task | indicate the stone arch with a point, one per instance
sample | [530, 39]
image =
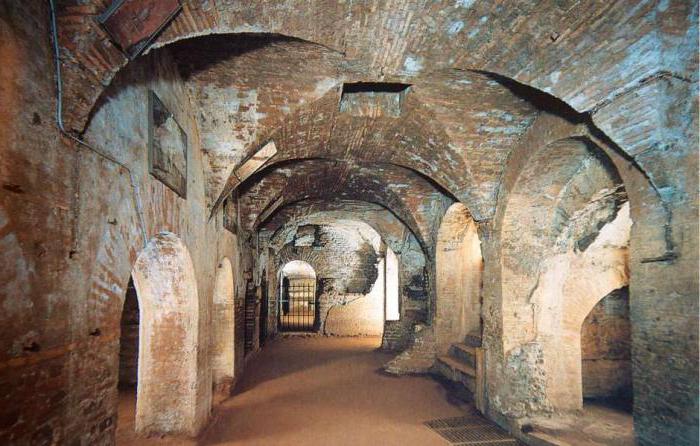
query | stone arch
[564, 239]
[169, 396]
[298, 310]
[223, 328]
[458, 264]
[580, 280]
[298, 269]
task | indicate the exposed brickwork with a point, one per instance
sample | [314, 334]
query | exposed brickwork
[544, 182]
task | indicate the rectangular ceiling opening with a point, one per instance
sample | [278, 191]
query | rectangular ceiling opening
[373, 99]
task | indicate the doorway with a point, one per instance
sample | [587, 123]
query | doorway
[298, 306]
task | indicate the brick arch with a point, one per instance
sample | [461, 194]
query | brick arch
[328, 179]
[575, 283]
[530, 211]
[415, 142]
[555, 63]
[124, 255]
[542, 270]
[173, 390]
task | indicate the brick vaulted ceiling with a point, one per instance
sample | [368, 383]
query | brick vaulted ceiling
[272, 70]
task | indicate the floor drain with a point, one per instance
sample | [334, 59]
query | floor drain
[471, 431]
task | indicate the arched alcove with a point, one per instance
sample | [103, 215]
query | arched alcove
[170, 397]
[564, 247]
[458, 266]
[575, 282]
[606, 363]
[223, 328]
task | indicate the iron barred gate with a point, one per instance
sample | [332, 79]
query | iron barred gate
[298, 306]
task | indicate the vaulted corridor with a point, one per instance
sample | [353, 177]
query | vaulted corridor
[349, 222]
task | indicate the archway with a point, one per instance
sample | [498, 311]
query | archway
[223, 329]
[128, 358]
[579, 281]
[298, 305]
[606, 365]
[564, 240]
[459, 265]
[171, 395]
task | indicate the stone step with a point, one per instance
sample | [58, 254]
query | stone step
[464, 353]
[473, 339]
[457, 371]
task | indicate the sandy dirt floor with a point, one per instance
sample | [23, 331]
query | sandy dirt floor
[318, 391]
[597, 424]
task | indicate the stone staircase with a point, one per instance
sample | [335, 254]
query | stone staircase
[464, 365]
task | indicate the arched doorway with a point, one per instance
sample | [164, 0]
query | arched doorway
[458, 265]
[298, 306]
[223, 329]
[564, 240]
[171, 396]
[128, 358]
[606, 365]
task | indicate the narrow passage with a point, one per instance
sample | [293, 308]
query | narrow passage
[321, 391]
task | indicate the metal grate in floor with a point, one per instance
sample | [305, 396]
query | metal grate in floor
[471, 430]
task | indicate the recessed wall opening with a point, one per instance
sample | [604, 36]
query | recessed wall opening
[606, 366]
[373, 99]
[128, 358]
[391, 288]
[459, 265]
[298, 306]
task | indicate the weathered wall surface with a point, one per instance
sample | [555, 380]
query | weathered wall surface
[70, 235]
[413, 285]
[652, 255]
[345, 258]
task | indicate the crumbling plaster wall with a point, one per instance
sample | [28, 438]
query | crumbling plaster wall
[70, 235]
[413, 263]
[346, 259]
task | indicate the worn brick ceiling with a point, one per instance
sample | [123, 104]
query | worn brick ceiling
[274, 70]
[456, 128]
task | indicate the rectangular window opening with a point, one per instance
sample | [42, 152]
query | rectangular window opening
[391, 266]
[373, 99]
